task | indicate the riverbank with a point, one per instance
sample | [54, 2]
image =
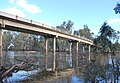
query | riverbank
[50, 76]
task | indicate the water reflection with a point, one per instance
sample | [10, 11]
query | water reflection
[20, 75]
[70, 79]
[77, 79]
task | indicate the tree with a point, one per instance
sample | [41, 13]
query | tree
[76, 33]
[20, 41]
[62, 27]
[104, 40]
[85, 32]
[66, 27]
[106, 31]
[7, 40]
[69, 26]
[117, 8]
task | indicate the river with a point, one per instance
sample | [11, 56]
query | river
[99, 70]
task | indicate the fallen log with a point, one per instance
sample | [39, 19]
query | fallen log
[11, 69]
[23, 65]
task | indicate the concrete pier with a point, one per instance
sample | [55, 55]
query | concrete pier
[89, 52]
[46, 52]
[0, 46]
[54, 53]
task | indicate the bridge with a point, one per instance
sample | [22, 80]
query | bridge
[16, 23]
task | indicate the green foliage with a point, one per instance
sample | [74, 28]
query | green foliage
[7, 40]
[66, 27]
[76, 33]
[103, 43]
[85, 32]
[22, 41]
[97, 72]
[104, 40]
[117, 8]
[106, 31]
[93, 71]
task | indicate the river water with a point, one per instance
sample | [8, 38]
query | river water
[104, 68]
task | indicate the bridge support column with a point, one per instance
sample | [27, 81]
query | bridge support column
[77, 54]
[54, 53]
[70, 49]
[70, 53]
[0, 46]
[83, 51]
[89, 52]
[46, 52]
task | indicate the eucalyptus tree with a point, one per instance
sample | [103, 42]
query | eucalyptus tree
[76, 33]
[117, 44]
[69, 26]
[86, 32]
[66, 27]
[20, 41]
[38, 42]
[104, 40]
[61, 27]
[7, 40]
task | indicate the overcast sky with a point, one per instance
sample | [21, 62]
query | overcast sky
[54, 12]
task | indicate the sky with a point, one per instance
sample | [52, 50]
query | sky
[53, 12]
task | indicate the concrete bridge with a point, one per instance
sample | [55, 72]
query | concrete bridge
[16, 23]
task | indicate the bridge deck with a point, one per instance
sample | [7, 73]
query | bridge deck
[15, 23]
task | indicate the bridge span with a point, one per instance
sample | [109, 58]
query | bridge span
[16, 23]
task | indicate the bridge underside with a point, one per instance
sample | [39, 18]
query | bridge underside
[27, 31]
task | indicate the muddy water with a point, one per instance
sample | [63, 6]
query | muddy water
[64, 60]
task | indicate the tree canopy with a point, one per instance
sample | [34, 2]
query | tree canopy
[66, 27]
[117, 8]
[85, 32]
[104, 40]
